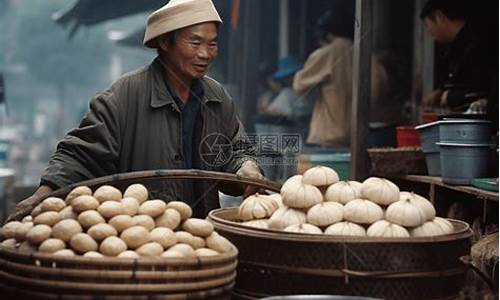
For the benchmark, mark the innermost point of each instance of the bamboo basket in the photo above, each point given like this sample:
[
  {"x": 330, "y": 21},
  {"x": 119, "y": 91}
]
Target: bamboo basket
[
  {"x": 397, "y": 161},
  {"x": 275, "y": 263},
  {"x": 45, "y": 276}
]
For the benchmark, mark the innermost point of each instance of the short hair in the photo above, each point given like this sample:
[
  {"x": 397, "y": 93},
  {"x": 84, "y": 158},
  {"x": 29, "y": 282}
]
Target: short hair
[
  {"x": 453, "y": 9},
  {"x": 172, "y": 39},
  {"x": 338, "y": 21}
]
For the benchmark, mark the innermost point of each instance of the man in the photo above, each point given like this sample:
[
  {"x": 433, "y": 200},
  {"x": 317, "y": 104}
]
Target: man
[
  {"x": 162, "y": 116},
  {"x": 329, "y": 69},
  {"x": 472, "y": 59}
]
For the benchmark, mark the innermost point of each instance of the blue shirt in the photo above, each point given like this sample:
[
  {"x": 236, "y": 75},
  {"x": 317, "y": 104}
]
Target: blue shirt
[{"x": 190, "y": 119}]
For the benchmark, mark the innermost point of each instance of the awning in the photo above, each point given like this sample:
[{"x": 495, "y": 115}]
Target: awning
[{"x": 91, "y": 12}]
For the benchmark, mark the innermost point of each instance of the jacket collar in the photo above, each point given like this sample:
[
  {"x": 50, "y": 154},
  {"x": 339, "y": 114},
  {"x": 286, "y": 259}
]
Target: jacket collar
[{"x": 160, "y": 95}]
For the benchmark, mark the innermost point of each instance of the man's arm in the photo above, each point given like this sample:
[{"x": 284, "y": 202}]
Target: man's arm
[
  {"x": 242, "y": 161},
  {"x": 89, "y": 151},
  {"x": 316, "y": 69},
  {"x": 433, "y": 99}
]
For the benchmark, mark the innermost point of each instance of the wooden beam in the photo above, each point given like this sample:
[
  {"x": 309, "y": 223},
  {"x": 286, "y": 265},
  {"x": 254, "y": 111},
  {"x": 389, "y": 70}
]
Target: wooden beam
[
  {"x": 361, "y": 89},
  {"x": 423, "y": 63},
  {"x": 248, "y": 66},
  {"x": 303, "y": 30},
  {"x": 284, "y": 33}
]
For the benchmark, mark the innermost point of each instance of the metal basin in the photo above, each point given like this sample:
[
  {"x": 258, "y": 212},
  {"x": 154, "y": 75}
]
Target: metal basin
[
  {"x": 433, "y": 162},
  {"x": 464, "y": 131},
  {"x": 429, "y": 136},
  {"x": 460, "y": 163}
]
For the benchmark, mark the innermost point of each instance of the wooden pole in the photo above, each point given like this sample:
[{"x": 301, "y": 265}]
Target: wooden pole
[
  {"x": 249, "y": 64},
  {"x": 303, "y": 30},
  {"x": 423, "y": 63},
  {"x": 284, "y": 23},
  {"x": 361, "y": 89}
]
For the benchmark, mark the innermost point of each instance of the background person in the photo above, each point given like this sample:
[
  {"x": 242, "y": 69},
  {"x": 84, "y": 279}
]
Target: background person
[
  {"x": 330, "y": 70},
  {"x": 472, "y": 56}
]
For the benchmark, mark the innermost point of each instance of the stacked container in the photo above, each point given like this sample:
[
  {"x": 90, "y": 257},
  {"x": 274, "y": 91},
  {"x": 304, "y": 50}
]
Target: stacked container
[
  {"x": 429, "y": 136},
  {"x": 465, "y": 150},
  {"x": 457, "y": 149}
]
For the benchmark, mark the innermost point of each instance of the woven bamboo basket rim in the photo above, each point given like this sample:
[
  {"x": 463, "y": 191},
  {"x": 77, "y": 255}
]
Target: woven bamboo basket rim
[
  {"x": 132, "y": 263},
  {"x": 35, "y": 270},
  {"x": 342, "y": 272},
  {"x": 148, "y": 175},
  {"x": 201, "y": 294},
  {"x": 224, "y": 218},
  {"x": 395, "y": 150},
  {"x": 93, "y": 287}
]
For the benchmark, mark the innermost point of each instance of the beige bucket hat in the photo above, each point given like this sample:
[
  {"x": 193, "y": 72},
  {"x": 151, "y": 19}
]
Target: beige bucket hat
[{"x": 178, "y": 14}]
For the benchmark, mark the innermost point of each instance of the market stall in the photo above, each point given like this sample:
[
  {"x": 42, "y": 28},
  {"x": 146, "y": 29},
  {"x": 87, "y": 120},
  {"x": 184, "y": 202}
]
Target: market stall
[
  {"x": 313, "y": 235},
  {"x": 388, "y": 237}
]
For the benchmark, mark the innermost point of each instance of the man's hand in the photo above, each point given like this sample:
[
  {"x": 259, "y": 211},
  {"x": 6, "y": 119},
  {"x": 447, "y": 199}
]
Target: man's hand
[
  {"x": 444, "y": 98},
  {"x": 433, "y": 99},
  {"x": 249, "y": 169},
  {"x": 30, "y": 201}
]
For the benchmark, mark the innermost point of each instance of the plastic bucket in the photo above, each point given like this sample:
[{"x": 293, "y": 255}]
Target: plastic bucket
[
  {"x": 433, "y": 163},
  {"x": 463, "y": 131},
  {"x": 407, "y": 137},
  {"x": 460, "y": 163},
  {"x": 429, "y": 136}
]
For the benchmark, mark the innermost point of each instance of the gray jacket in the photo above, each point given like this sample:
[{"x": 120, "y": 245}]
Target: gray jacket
[{"x": 136, "y": 125}]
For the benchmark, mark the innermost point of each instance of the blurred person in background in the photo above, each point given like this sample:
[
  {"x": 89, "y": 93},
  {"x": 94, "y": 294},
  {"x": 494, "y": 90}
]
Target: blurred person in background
[
  {"x": 330, "y": 70},
  {"x": 282, "y": 104},
  {"x": 470, "y": 28},
  {"x": 287, "y": 104},
  {"x": 268, "y": 88},
  {"x": 158, "y": 117}
]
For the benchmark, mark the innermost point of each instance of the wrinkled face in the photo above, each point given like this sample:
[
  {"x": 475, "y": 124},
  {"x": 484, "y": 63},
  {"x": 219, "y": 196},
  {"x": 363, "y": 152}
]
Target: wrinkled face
[{"x": 195, "y": 48}]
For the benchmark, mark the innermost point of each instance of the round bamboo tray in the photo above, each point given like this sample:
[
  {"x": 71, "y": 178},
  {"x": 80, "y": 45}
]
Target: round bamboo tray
[
  {"x": 44, "y": 276},
  {"x": 276, "y": 263}
]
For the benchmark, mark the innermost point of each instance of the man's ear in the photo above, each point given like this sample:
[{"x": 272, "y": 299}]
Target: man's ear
[{"x": 163, "y": 43}]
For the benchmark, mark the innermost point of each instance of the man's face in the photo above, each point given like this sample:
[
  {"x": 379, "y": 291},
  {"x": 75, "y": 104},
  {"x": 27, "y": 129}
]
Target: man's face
[
  {"x": 194, "y": 50},
  {"x": 437, "y": 24}
]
